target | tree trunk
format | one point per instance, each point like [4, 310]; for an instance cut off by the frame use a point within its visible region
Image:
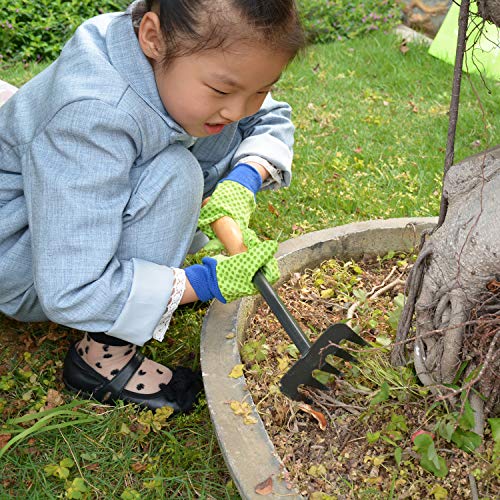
[465, 257]
[489, 10]
[459, 260]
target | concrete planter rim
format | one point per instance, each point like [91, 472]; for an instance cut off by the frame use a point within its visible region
[247, 449]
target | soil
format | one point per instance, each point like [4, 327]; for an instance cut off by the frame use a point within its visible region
[367, 446]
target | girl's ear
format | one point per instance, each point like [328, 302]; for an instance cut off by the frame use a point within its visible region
[150, 36]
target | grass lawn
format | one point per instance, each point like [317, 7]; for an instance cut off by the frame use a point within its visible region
[371, 133]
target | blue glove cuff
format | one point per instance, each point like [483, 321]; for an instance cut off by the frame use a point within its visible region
[247, 176]
[203, 279]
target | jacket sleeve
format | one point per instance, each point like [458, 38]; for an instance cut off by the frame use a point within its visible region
[76, 175]
[269, 135]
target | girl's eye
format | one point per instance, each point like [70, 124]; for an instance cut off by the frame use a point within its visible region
[218, 91]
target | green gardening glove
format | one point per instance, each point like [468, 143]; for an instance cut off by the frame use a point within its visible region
[234, 197]
[230, 278]
[235, 274]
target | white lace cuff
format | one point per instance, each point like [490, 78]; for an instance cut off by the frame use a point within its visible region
[177, 292]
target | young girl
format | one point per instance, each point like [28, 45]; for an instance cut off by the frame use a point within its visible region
[105, 159]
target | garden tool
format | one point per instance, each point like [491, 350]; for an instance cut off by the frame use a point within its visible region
[313, 356]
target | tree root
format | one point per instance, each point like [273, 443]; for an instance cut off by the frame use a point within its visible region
[413, 284]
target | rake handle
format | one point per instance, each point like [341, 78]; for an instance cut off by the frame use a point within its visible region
[229, 234]
[281, 312]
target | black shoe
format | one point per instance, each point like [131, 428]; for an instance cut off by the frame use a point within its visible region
[180, 393]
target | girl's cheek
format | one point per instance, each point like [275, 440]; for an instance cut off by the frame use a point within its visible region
[258, 104]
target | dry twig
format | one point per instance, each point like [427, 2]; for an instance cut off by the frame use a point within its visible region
[375, 292]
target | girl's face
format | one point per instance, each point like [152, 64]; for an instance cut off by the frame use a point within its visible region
[205, 91]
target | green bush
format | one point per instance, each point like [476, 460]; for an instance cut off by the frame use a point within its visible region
[331, 20]
[34, 31]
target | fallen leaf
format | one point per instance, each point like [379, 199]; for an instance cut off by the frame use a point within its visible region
[317, 470]
[243, 409]
[266, 487]
[92, 467]
[4, 439]
[328, 293]
[283, 363]
[138, 467]
[421, 431]
[273, 209]
[439, 492]
[373, 480]
[493, 285]
[240, 408]
[316, 414]
[230, 336]
[331, 179]
[54, 399]
[237, 371]
[413, 106]
[124, 428]
[319, 495]
[249, 420]
[297, 228]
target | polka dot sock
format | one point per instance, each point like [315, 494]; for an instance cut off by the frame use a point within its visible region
[108, 360]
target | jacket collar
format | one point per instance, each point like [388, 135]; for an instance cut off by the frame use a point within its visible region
[128, 59]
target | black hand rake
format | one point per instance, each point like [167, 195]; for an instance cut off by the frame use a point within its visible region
[313, 356]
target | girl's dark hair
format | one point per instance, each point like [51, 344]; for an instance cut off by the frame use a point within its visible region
[191, 26]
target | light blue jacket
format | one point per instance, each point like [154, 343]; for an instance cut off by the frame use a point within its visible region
[70, 141]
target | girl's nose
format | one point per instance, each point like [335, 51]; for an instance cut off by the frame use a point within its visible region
[236, 110]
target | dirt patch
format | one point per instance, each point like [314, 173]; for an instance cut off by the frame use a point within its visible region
[375, 412]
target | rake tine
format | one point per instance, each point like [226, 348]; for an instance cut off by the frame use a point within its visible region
[289, 385]
[344, 355]
[327, 367]
[353, 337]
[312, 382]
[343, 332]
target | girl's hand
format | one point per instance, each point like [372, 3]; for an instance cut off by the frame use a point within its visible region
[230, 278]
[233, 197]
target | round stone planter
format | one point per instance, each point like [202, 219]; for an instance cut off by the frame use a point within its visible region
[247, 449]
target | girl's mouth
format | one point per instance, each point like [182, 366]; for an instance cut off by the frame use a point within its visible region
[214, 128]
